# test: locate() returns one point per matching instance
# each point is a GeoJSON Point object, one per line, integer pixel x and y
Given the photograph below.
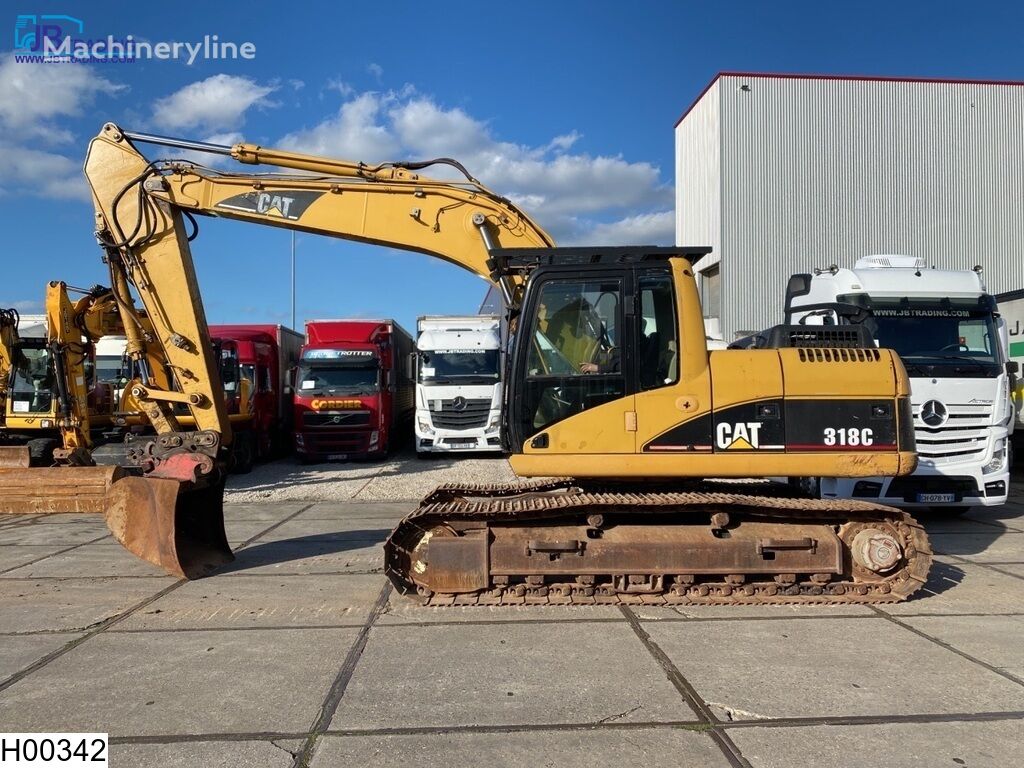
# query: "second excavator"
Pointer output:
{"type": "Point", "coordinates": [611, 392]}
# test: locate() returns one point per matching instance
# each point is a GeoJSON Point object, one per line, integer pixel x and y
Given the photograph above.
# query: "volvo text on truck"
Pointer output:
{"type": "Point", "coordinates": [354, 393]}
{"type": "Point", "coordinates": [458, 384]}
{"type": "Point", "coordinates": [946, 328]}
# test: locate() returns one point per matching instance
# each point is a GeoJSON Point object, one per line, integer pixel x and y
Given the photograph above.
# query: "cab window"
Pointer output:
{"type": "Point", "coordinates": [657, 361]}
{"type": "Point", "coordinates": [575, 356]}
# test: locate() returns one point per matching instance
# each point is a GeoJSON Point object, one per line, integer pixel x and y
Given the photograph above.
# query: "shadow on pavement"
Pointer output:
{"type": "Point", "coordinates": [302, 547]}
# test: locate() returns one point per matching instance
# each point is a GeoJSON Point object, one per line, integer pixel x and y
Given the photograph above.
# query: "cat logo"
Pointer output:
{"type": "Point", "coordinates": [274, 205]}
{"type": "Point", "coordinates": [743, 436]}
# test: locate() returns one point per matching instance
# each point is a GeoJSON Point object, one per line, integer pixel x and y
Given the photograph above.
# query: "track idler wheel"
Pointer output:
{"type": "Point", "coordinates": [170, 524]}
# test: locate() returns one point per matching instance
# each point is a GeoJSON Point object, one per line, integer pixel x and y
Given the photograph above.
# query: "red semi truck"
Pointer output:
{"type": "Point", "coordinates": [266, 355]}
{"type": "Point", "coordinates": [355, 395]}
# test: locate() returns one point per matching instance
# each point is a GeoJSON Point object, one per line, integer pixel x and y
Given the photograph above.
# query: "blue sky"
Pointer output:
{"type": "Point", "coordinates": [566, 106]}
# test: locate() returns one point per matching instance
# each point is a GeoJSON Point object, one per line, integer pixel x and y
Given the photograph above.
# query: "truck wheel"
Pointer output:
{"type": "Point", "coordinates": [40, 451]}
{"type": "Point", "coordinates": [243, 454]}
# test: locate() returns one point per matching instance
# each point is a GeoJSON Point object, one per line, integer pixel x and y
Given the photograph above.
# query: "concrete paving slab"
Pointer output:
{"type": "Point", "coordinates": [1016, 569]}
{"type": "Point", "coordinates": [404, 610]}
{"type": "Point", "coordinates": [180, 683]}
{"type": "Point", "coordinates": [437, 675]}
{"type": "Point", "coordinates": [261, 601]}
{"type": "Point", "coordinates": [103, 559]}
{"type": "Point", "coordinates": [955, 588]}
{"type": "Point", "coordinates": [52, 534]}
{"type": "Point", "coordinates": [1009, 515]}
{"type": "Point", "coordinates": [995, 546]}
{"type": "Point", "coordinates": [640, 748]}
{"type": "Point", "coordinates": [349, 529]}
{"type": "Point", "coordinates": [965, 744]}
{"type": "Point", "coordinates": [69, 517]}
{"type": "Point", "coordinates": [34, 605]}
{"type": "Point", "coordinates": [995, 640]}
{"type": "Point", "coordinates": [358, 510]}
{"type": "Point", "coordinates": [301, 556]}
{"type": "Point", "coordinates": [830, 667]}
{"type": "Point", "coordinates": [241, 531]}
{"type": "Point", "coordinates": [13, 556]}
{"type": "Point", "coordinates": [18, 651]}
{"type": "Point", "coordinates": [209, 754]}
{"type": "Point", "coordinates": [738, 612]}
{"type": "Point", "coordinates": [269, 512]}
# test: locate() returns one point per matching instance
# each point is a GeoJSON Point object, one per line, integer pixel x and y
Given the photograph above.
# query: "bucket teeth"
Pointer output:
{"type": "Point", "coordinates": [165, 523]}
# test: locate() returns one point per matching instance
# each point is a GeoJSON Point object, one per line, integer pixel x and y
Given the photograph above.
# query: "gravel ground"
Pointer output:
{"type": "Point", "coordinates": [403, 477]}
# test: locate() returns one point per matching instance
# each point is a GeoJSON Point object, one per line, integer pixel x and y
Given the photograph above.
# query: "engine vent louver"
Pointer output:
{"type": "Point", "coordinates": [826, 355]}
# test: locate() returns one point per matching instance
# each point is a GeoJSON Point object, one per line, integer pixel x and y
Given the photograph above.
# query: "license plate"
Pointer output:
{"type": "Point", "coordinates": [935, 498]}
{"type": "Point", "coordinates": [337, 456]}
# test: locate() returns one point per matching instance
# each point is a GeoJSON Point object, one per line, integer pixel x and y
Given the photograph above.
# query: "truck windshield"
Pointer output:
{"type": "Point", "coordinates": [108, 369]}
{"type": "Point", "coordinates": [933, 332]}
{"type": "Point", "coordinates": [32, 384]}
{"type": "Point", "coordinates": [335, 380]}
{"type": "Point", "coordinates": [465, 365]}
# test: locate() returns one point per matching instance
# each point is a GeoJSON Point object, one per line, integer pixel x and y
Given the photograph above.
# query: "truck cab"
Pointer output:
{"type": "Point", "coordinates": [353, 392]}
{"type": "Point", "coordinates": [458, 384]}
{"type": "Point", "coordinates": [946, 328]}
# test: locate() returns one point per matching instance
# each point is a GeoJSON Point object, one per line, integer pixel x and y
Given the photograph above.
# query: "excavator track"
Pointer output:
{"type": "Point", "coordinates": [575, 542]}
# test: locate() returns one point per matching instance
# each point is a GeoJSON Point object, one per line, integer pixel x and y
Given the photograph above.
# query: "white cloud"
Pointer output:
{"type": "Point", "coordinates": [39, 173]}
{"type": "Point", "coordinates": [643, 229]}
{"type": "Point", "coordinates": [356, 132]}
{"type": "Point", "coordinates": [376, 70]}
{"type": "Point", "coordinates": [577, 196]}
{"type": "Point", "coordinates": [34, 97]}
{"type": "Point", "coordinates": [218, 103]}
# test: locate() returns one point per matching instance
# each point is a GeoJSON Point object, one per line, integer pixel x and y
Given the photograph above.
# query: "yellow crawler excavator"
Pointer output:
{"type": "Point", "coordinates": [46, 394]}
{"type": "Point", "coordinates": [611, 389]}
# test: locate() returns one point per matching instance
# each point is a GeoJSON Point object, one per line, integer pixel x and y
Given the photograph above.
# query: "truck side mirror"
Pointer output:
{"type": "Point", "coordinates": [798, 285]}
{"type": "Point", "coordinates": [1013, 368]}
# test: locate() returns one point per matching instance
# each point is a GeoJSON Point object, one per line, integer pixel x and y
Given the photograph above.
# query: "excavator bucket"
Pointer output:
{"type": "Point", "coordinates": [14, 457]}
{"type": "Point", "coordinates": [182, 531]}
{"type": "Point", "coordinates": [48, 490]}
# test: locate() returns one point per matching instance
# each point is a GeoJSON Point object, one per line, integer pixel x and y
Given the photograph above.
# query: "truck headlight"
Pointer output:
{"type": "Point", "coordinates": [424, 425]}
{"type": "Point", "coordinates": [299, 441]}
{"type": "Point", "coordinates": [494, 423]}
{"type": "Point", "coordinates": [374, 437]}
{"type": "Point", "coordinates": [998, 462]}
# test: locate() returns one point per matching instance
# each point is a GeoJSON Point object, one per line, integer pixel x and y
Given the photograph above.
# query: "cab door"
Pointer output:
{"type": "Point", "coordinates": [571, 387]}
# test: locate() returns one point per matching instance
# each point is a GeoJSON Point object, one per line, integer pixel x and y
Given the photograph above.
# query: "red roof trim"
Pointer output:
{"type": "Point", "coordinates": [859, 78]}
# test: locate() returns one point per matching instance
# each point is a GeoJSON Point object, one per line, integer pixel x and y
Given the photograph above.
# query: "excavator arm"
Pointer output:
{"type": "Point", "coordinates": [145, 219]}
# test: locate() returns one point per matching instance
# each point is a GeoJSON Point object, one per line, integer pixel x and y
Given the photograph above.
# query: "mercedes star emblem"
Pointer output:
{"type": "Point", "coordinates": [459, 403]}
{"type": "Point", "coordinates": [934, 413]}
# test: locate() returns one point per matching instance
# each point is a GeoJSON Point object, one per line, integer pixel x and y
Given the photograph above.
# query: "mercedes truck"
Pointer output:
{"type": "Point", "coordinates": [458, 384]}
{"type": "Point", "coordinates": [948, 331]}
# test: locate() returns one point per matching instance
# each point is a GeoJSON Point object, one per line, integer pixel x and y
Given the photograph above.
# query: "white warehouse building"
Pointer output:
{"type": "Point", "coordinates": [784, 173]}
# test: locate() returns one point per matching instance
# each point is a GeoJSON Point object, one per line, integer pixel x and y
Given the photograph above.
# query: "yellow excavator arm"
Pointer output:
{"type": "Point", "coordinates": [144, 210]}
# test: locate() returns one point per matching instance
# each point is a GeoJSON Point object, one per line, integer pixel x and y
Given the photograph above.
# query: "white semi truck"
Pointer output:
{"type": "Point", "coordinates": [458, 384]}
{"type": "Point", "coordinates": [947, 329]}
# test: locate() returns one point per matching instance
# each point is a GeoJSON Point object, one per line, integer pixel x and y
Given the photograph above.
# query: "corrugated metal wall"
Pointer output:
{"type": "Point", "coordinates": [823, 171]}
{"type": "Point", "coordinates": [699, 178]}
